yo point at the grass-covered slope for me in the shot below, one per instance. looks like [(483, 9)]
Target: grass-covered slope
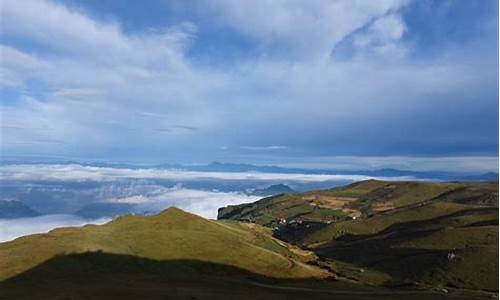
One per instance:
[(98, 275), (175, 255), (170, 235), (360, 199), (418, 233), (433, 236), (457, 248), (446, 239)]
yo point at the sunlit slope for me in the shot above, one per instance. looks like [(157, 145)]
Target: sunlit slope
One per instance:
[(360, 199), (382, 221), (170, 235), (433, 234), (437, 205)]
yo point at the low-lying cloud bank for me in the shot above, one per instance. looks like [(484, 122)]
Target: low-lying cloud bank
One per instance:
[(76, 172), (203, 203), (14, 228), (127, 190)]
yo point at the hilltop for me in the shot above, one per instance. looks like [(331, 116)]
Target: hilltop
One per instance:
[(172, 234), (274, 189)]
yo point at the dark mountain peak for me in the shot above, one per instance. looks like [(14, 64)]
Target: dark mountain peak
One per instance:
[(15, 209), (274, 189)]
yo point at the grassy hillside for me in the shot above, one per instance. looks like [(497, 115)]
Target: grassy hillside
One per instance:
[(173, 234), (175, 255), (418, 233), (372, 225), (458, 249), (99, 275), (273, 211), (361, 199), (439, 240), (449, 237)]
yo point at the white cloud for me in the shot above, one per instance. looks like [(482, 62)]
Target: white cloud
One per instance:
[(97, 64), (74, 33), (16, 67), (389, 28), (101, 90), (14, 228), (136, 199), (264, 148), (383, 37), (311, 29), (203, 203), (83, 173)]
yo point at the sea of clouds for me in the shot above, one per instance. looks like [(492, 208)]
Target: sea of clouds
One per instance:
[(76, 172), (200, 202), (14, 228), (203, 203), (58, 191)]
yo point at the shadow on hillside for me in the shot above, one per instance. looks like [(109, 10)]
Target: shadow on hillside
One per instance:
[(381, 251), (98, 275)]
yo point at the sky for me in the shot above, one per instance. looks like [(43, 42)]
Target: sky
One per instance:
[(354, 83)]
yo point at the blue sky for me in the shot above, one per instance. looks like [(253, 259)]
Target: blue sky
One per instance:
[(356, 84)]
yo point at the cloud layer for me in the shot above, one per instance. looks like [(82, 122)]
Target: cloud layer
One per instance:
[(49, 172), (203, 203), (314, 78), (14, 228)]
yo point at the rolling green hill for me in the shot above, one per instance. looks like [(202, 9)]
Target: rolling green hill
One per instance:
[(439, 244), (391, 233), (172, 234), (360, 199)]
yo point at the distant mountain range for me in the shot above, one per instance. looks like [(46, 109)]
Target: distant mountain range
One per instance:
[(103, 209), (10, 209), (385, 172), (274, 189), (236, 167)]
